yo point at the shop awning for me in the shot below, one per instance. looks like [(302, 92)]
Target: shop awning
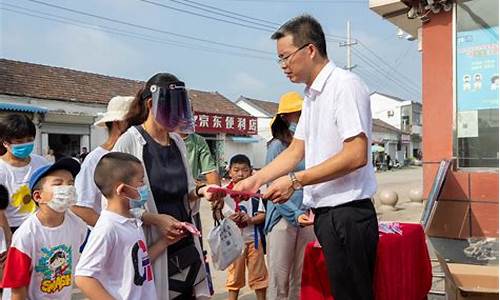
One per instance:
[(23, 108), (243, 139)]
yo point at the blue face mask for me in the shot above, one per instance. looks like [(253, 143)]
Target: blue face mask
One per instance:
[(22, 150), (144, 195), (292, 127)]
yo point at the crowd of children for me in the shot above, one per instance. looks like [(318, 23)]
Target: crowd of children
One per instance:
[(45, 245)]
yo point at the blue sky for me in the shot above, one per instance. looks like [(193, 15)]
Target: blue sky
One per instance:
[(202, 65)]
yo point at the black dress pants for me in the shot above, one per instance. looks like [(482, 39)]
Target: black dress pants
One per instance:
[(348, 235)]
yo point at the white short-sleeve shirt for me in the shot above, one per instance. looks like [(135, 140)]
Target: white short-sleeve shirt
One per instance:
[(336, 107), (16, 180), (116, 255), (43, 259), (88, 194), (248, 232)]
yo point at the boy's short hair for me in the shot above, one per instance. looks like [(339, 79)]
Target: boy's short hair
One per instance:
[(240, 159), (115, 167), (4, 197)]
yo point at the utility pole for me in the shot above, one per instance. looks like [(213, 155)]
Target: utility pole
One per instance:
[(349, 43)]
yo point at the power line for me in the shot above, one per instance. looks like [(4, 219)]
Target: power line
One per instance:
[(303, 1), (375, 66), (385, 63), (268, 26), (149, 28), (330, 38), (135, 35), (399, 84), (232, 12), (202, 15)]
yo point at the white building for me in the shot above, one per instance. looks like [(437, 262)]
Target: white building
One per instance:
[(405, 115), (264, 111), (65, 103)]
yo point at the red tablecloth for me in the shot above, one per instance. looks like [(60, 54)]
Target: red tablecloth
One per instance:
[(403, 268)]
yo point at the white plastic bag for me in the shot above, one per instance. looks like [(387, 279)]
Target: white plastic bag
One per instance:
[(226, 243)]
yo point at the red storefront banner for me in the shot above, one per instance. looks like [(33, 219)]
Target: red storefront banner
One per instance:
[(215, 123)]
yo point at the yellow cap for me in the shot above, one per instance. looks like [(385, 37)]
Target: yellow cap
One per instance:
[(289, 103)]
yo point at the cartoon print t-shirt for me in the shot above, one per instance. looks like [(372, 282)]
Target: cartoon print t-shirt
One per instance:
[(44, 258), (16, 179), (117, 256)]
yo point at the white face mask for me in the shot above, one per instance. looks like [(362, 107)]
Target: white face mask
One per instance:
[(63, 196)]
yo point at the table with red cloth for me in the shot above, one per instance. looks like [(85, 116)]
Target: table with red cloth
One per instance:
[(403, 269)]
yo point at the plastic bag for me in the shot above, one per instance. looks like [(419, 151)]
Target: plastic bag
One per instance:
[(226, 243)]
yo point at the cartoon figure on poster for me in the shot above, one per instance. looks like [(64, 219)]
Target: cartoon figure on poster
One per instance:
[(477, 70), (477, 82), (467, 85), (494, 82)]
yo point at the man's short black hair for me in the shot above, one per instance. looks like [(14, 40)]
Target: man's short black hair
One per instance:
[(4, 197), (305, 30), (113, 168), (240, 159)]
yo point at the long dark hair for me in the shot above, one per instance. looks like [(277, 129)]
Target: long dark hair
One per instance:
[(138, 112), (15, 126), (280, 131)]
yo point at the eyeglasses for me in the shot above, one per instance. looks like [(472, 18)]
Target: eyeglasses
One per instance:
[(283, 60)]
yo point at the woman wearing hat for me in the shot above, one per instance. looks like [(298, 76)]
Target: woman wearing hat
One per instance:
[(287, 239), (88, 204)]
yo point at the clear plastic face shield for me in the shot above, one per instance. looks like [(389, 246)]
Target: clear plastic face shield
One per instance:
[(171, 107)]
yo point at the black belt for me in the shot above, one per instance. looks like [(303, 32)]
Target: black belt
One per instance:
[(325, 209)]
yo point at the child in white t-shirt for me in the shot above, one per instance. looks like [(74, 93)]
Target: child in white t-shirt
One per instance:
[(17, 163), (45, 248), (116, 263), (249, 215)]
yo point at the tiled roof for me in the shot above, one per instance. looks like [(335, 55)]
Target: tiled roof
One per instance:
[(55, 83), (267, 107), (381, 126)]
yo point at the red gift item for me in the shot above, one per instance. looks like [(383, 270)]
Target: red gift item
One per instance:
[(403, 268), (234, 194)]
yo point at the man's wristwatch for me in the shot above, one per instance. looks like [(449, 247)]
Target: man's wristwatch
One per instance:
[(296, 185)]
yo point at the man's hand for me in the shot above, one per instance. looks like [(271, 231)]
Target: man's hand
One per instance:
[(250, 184), (280, 190)]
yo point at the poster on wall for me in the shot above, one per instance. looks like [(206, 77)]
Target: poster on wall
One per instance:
[(467, 124), (477, 69)]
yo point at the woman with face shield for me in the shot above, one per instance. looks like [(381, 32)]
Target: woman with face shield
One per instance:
[(160, 109)]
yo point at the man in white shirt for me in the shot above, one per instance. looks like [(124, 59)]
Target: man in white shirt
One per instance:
[(334, 136)]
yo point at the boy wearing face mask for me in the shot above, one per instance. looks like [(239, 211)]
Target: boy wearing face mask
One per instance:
[(116, 263), (17, 163), (44, 250)]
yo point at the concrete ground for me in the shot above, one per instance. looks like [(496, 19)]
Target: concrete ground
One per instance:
[(401, 181)]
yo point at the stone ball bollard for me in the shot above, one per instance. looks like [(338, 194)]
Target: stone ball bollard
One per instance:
[(416, 196), (388, 200)]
